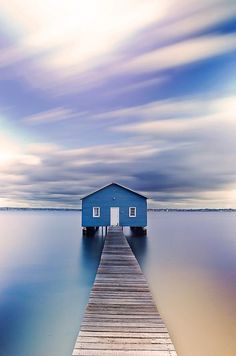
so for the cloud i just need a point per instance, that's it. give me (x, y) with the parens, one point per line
(174, 115)
(12, 150)
(84, 45)
(182, 53)
(62, 175)
(170, 156)
(118, 107)
(178, 174)
(10, 55)
(144, 84)
(194, 20)
(167, 108)
(51, 116)
(178, 127)
(81, 33)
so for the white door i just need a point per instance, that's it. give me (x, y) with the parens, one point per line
(114, 216)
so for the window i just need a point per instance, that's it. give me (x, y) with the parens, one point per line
(96, 212)
(132, 212)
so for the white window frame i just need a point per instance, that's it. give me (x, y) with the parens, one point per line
(98, 212)
(135, 212)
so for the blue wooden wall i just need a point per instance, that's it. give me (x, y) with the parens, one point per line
(114, 196)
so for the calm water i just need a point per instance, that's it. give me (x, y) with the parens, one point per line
(47, 270)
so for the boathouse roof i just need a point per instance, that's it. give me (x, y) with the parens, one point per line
(110, 184)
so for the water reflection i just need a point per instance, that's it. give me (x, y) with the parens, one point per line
(89, 257)
(138, 244)
(47, 270)
(189, 260)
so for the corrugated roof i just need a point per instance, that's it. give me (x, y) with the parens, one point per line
(113, 183)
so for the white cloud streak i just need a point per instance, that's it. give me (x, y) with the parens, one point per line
(71, 46)
(182, 53)
(50, 116)
(178, 150)
(185, 115)
(78, 33)
(196, 21)
(179, 161)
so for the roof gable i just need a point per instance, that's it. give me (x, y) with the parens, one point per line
(110, 184)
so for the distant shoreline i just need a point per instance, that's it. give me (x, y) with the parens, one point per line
(154, 209)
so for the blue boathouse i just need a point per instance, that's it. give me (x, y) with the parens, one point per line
(114, 205)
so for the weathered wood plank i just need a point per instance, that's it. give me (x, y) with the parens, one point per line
(128, 340)
(123, 346)
(118, 328)
(123, 324)
(121, 317)
(115, 334)
(81, 352)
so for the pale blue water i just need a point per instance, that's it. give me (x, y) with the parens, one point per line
(189, 259)
(46, 272)
(47, 269)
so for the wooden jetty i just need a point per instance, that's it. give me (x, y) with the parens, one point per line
(121, 318)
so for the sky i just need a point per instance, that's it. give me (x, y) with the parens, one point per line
(139, 92)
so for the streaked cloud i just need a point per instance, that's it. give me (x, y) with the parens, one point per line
(53, 115)
(62, 177)
(141, 92)
(80, 34)
(93, 41)
(144, 84)
(158, 109)
(194, 20)
(183, 53)
(171, 114)
(188, 171)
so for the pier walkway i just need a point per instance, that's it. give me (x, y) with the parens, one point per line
(121, 318)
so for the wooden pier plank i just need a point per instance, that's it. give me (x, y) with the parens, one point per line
(121, 317)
